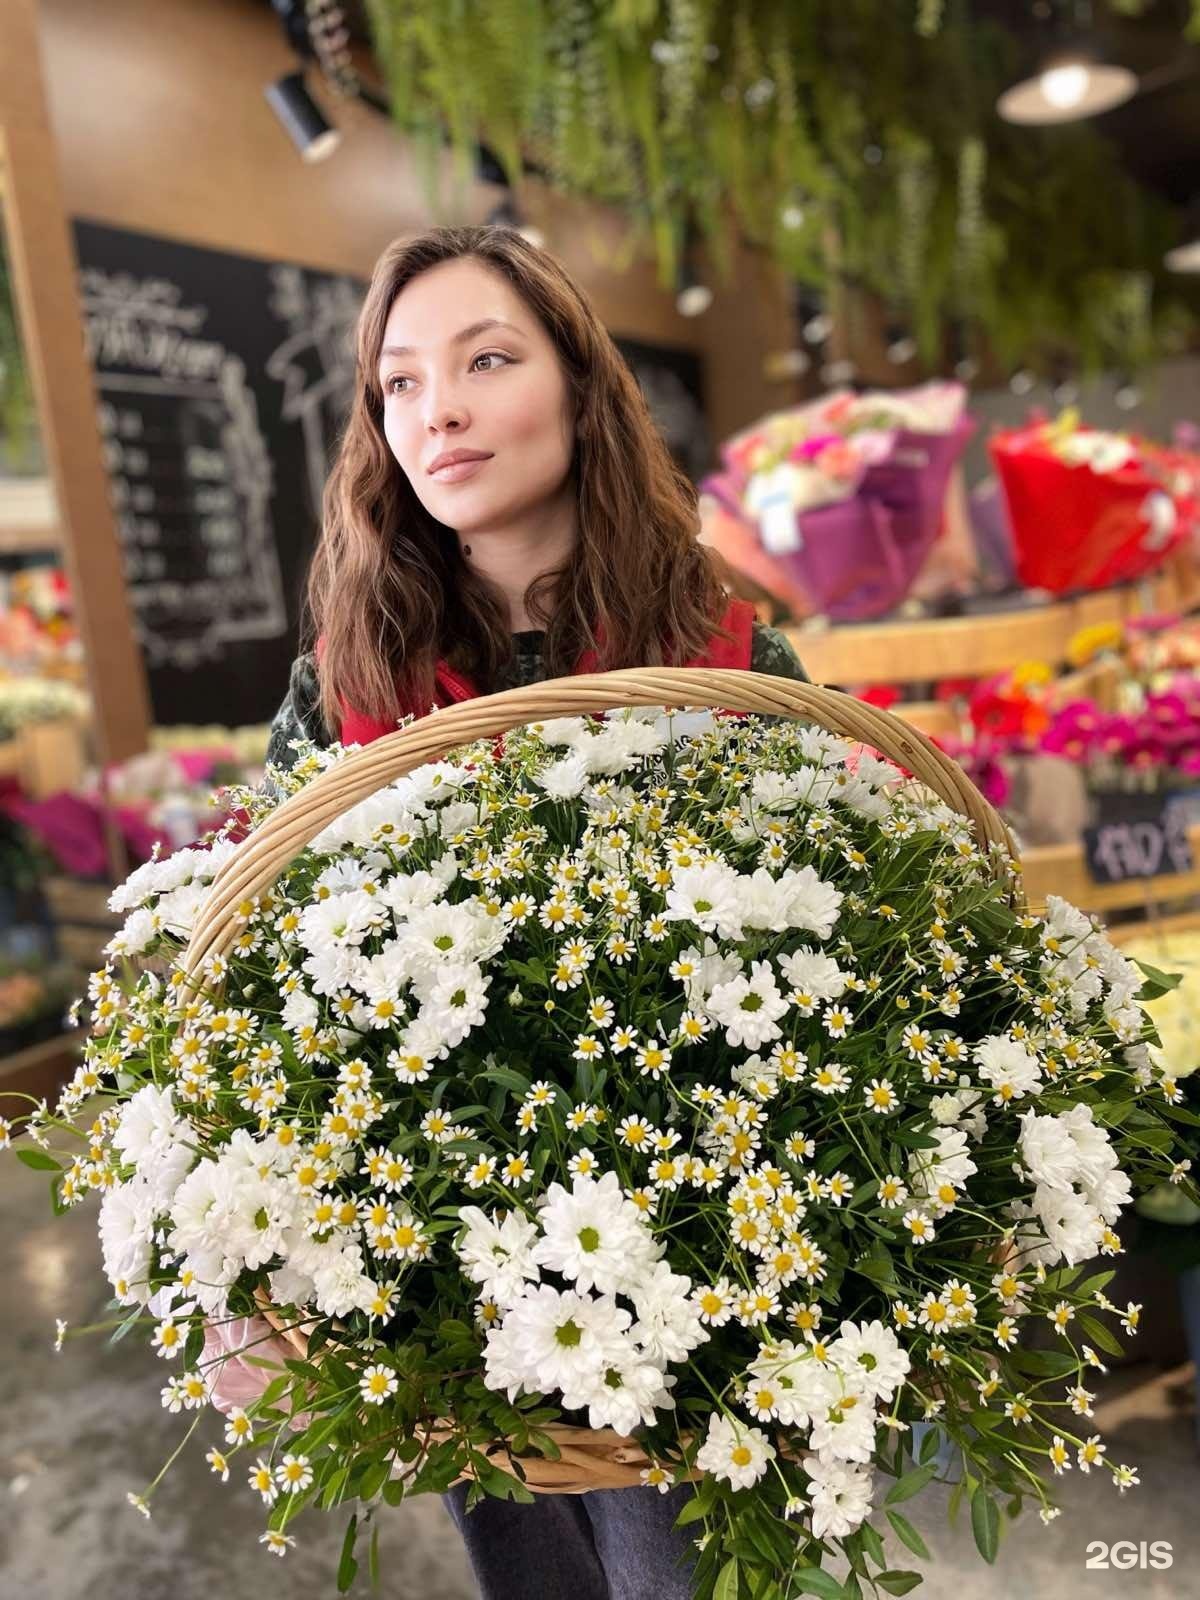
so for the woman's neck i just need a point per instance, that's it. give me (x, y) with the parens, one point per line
(510, 558)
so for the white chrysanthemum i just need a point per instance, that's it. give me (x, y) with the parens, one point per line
(153, 877)
(631, 1392)
(805, 1386)
(341, 1285)
(442, 934)
(126, 1225)
(345, 918)
(560, 730)
(711, 968)
(846, 1429)
(749, 1008)
(735, 1452)
(178, 910)
(814, 973)
(1048, 1151)
(498, 1255)
(841, 1497)
(138, 931)
(551, 1340)
(594, 1236)
(668, 1326)
(565, 779)
(949, 1162)
(815, 904)
(456, 1002)
(710, 897)
(1008, 1067)
(874, 1356)
(149, 1124)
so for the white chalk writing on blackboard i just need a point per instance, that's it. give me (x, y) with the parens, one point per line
(190, 472)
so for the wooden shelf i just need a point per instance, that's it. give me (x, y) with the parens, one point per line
(40, 1070)
(1061, 869)
(1155, 928)
(978, 646)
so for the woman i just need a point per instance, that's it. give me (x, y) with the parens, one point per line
(562, 538)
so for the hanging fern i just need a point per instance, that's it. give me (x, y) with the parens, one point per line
(760, 113)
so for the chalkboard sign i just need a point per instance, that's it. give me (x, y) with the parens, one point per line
(222, 382)
(1139, 836)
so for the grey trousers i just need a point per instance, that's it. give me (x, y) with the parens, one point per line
(609, 1544)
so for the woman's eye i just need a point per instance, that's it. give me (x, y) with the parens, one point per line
(484, 355)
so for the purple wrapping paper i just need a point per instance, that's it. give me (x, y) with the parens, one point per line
(860, 557)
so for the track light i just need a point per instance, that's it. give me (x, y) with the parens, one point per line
(301, 117)
(506, 214)
(692, 297)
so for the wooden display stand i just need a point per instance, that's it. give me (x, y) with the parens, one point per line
(980, 646)
(1061, 869)
(83, 922)
(41, 1071)
(46, 757)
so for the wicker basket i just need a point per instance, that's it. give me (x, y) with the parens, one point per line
(590, 1458)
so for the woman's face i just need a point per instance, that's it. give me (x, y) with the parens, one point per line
(501, 390)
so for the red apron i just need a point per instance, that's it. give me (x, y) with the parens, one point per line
(450, 686)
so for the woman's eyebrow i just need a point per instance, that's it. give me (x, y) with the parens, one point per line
(472, 332)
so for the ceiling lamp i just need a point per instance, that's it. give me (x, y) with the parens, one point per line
(301, 117)
(1070, 85)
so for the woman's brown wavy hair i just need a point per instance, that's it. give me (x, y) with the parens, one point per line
(388, 587)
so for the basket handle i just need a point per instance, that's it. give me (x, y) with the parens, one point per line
(260, 858)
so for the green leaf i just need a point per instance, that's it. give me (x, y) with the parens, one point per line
(897, 1582)
(929, 1447)
(911, 1483)
(1100, 1335)
(985, 1523)
(873, 1544)
(815, 1580)
(1089, 1286)
(373, 1557)
(39, 1160)
(1158, 982)
(726, 1586)
(509, 1078)
(347, 1566)
(908, 1535)
(692, 1512)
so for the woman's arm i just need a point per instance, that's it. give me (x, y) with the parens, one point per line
(771, 652)
(299, 717)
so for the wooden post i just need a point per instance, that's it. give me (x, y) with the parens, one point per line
(45, 279)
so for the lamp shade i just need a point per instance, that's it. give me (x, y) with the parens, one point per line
(301, 117)
(1069, 87)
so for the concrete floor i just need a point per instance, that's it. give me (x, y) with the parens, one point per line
(82, 1427)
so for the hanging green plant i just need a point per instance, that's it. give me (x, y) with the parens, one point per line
(868, 121)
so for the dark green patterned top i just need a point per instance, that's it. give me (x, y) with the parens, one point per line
(299, 717)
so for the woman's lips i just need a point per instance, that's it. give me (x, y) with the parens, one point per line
(459, 470)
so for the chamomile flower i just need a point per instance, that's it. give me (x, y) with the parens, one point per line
(377, 1384)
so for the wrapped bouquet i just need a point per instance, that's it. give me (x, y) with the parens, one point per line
(628, 1099)
(1090, 507)
(842, 496)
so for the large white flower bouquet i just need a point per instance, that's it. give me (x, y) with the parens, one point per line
(708, 1087)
